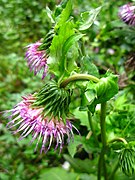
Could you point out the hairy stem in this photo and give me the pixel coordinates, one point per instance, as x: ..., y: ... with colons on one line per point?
x: 77, y: 77
x: 103, y: 124
x: 101, y: 163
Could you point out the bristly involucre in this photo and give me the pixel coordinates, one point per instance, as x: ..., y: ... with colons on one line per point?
x: 29, y: 120
x: 37, y: 59
x: 127, y: 14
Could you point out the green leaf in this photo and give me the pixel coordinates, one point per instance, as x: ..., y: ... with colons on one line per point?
x: 88, y: 67
x: 82, y: 116
x: 81, y: 142
x: 4, y: 176
x: 71, y: 56
x: 88, y: 177
x: 64, y: 16
x: 56, y: 61
x: 62, y: 57
x: 105, y: 89
x: 90, y: 95
x: 63, y: 29
x: 83, y: 166
x: 57, y: 174
x: 20, y: 168
x: 120, y: 102
x: 72, y: 147
x: 88, y: 18
x: 70, y: 41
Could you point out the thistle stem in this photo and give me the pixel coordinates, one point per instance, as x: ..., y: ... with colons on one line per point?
x: 92, y: 127
x: 103, y: 124
x: 101, y: 163
x: 77, y: 77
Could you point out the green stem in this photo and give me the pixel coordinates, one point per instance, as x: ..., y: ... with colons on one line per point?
x: 103, y: 124
x: 101, y: 163
x: 104, y: 167
x: 77, y: 77
x: 92, y: 127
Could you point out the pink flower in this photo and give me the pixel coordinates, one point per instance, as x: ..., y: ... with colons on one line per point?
x: 30, y: 120
x: 127, y: 14
x: 37, y: 59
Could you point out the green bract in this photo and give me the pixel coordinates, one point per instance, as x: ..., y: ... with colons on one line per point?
x: 47, y: 40
x: 127, y: 161
x: 54, y: 100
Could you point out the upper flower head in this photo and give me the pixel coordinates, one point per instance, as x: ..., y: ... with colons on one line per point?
x: 37, y: 59
x: 30, y: 120
x: 127, y: 14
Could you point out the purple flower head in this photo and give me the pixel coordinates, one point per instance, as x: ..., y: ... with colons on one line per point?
x: 30, y: 120
x: 37, y: 59
x: 127, y: 14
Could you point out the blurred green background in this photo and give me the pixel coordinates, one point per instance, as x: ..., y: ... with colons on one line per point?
x: 109, y: 42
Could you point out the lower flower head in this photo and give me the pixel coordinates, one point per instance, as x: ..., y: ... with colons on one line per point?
x: 37, y: 59
x: 29, y: 120
x: 127, y: 14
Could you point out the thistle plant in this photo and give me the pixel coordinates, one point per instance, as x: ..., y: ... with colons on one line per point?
x: 65, y: 66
